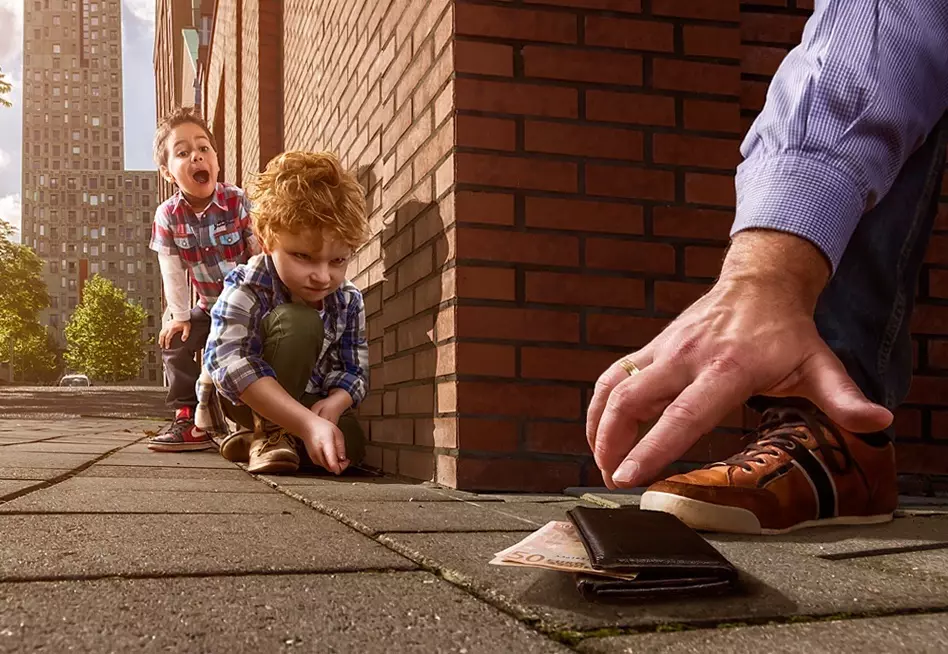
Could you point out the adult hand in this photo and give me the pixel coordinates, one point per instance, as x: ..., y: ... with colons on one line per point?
x: 174, y: 327
x: 752, y: 334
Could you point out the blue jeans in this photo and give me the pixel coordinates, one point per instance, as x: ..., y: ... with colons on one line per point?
x: 865, y: 312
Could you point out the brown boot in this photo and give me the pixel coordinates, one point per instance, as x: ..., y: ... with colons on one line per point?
x: 236, y: 446
x: 273, y: 452
x: 802, y: 470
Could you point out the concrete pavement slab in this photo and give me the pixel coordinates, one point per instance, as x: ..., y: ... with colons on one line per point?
x: 58, y: 447
x: 57, y: 546
x: 323, y: 489
x: 365, y: 613
x: 125, y: 484
x: 8, y: 486
x: 72, y: 500
x: 774, y: 585
x: 29, y: 473
x: 141, y: 472
x: 915, y: 633
x: 206, y: 459
x: 42, y: 459
x: 932, y: 563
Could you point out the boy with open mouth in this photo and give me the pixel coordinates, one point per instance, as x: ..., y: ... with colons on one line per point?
x: 202, y: 232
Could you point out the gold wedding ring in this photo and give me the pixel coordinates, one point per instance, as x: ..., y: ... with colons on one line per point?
x: 628, y: 366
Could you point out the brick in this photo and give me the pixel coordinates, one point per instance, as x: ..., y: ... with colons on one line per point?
x: 432, y: 83
x: 692, y: 223
x: 399, y: 370
x: 630, y: 6
x: 612, y: 32
x: 937, y: 252
x: 413, y: 333
x: 695, y: 151
x: 398, y: 309
x: 761, y: 59
x: 622, y: 331
x: 703, y: 188
x: 584, y: 290
x: 675, y: 297
x: 921, y: 459
x: 928, y: 390
x: 772, y: 28
x: 516, y: 172
x: 626, y: 182
x: 486, y: 133
x: 940, y: 425
x: 447, y: 397
x: 483, y: 58
x: 930, y: 319
x: 582, y: 65
x: 753, y: 94
x: 514, y: 23
x: 482, y: 283
x: 584, y: 215
x: 938, y: 353
x: 634, y: 108
x: 416, y: 464
x: 702, y: 40
x: 517, y: 324
x: 394, y: 430
x: 724, y: 10
x: 486, y: 435
x: 707, y: 115
x: 513, y: 474
x: 636, y: 256
x: 515, y: 98
x: 486, y: 359
x: 703, y: 262
x: 696, y: 77
x: 484, y: 207
x: 510, y: 399
x: 908, y: 423
x: 565, y: 365
x: 416, y: 399
x: 556, y: 438
x: 521, y: 247
x: 426, y: 362
x: 938, y: 283
x: 583, y: 140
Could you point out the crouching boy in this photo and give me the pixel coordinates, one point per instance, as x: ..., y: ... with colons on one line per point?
x: 287, y: 357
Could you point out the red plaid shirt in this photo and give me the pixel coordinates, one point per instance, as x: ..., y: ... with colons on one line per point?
x: 210, y: 245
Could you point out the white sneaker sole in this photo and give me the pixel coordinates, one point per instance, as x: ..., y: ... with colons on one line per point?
x: 181, y: 447
x: 705, y: 516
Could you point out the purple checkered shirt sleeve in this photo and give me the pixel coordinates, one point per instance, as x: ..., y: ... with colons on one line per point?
x: 844, y: 111
x: 353, y: 353
x: 234, y: 351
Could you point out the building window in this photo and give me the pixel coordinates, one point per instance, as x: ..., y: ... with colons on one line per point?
x: 56, y: 48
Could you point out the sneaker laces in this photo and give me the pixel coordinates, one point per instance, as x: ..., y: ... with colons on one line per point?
x: 179, y: 426
x: 778, y: 433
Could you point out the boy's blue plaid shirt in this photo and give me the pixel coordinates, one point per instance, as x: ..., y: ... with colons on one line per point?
x: 233, y: 356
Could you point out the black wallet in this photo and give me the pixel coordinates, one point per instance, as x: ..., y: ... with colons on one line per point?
x: 669, y: 558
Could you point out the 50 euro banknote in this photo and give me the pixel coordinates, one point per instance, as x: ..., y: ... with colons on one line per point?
x: 555, y: 546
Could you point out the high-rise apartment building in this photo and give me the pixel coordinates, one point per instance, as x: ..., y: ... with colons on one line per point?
x: 82, y: 212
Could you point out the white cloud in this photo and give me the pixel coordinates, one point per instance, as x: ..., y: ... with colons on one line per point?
x: 10, y: 210
x: 11, y: 26
x: 143, y: 10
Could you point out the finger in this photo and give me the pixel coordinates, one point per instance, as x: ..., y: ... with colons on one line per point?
x: 329, y: 451
x: 185, y: 332
x: 315, y: 452
x: 613, y: 375
x: 340, y: 441
x: 697, y: 410
x: 635, y: 400
x: 830, y: 388
x: 163, y: 339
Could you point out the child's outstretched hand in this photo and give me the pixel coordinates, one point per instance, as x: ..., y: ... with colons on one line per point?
x: 325, y: 444
x: 174, y: 327
x: 332, y: 407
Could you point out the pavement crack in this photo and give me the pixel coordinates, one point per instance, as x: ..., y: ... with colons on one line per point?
x: 885, y: 551
x: 288, y: 572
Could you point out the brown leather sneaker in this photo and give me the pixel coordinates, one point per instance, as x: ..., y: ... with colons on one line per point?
x: 802, y: 470
x: 236, y: 446
x: 273, y: 452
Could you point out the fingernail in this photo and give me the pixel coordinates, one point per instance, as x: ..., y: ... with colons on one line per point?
x: 626, y: 472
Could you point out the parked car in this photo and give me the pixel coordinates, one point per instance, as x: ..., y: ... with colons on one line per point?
x: 75, y: 380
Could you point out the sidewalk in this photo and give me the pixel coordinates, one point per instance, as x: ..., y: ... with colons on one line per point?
x: 109, y: 547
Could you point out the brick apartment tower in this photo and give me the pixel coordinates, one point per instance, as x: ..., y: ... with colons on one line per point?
x: 550, y: 182
x: 82, y: 212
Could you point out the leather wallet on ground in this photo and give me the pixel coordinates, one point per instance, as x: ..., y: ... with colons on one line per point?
x: 670, y: 558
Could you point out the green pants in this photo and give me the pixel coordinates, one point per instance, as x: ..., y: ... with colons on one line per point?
x: 292, y: 337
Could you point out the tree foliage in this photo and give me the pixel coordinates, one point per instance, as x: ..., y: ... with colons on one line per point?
x: 23, y: 295
x: 5, y: 90
x: 104, y: 335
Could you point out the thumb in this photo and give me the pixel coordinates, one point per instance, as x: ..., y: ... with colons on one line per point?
x: 831, y: 389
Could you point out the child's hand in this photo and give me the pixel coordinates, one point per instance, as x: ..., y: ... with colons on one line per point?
x: 332, y: 407
x: 325, y: 444
x: 168, y: 331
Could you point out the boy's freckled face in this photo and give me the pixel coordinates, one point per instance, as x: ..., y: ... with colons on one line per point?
x: 310, y: 265
x: 191, y: 162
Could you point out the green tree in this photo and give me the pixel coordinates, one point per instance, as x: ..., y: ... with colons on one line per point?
x: 104, y: 335
x: 5, y: 89
x: 23, y: 295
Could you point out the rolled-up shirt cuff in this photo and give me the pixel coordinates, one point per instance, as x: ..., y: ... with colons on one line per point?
x: 802, y: 196
x: 234, y: 378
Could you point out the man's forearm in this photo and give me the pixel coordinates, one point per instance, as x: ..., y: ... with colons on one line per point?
x: 784, y: 263
x: 269, y: 399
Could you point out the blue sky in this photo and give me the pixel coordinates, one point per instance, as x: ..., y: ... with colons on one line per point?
x: 138, y: 32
